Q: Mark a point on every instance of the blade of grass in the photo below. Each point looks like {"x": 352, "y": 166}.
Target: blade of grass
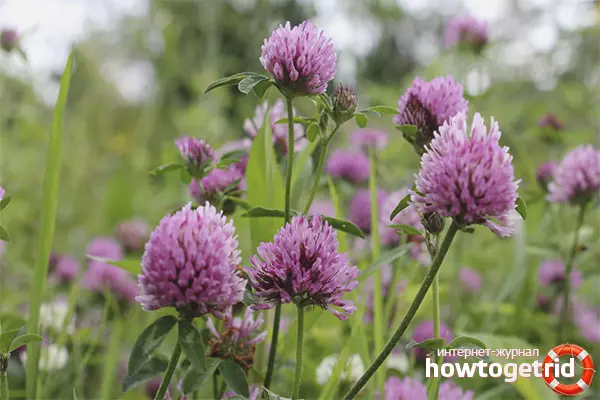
{"x": 342, "y": 237}
{"x": 112, "y": 358}
{"x": 46, "y": 232}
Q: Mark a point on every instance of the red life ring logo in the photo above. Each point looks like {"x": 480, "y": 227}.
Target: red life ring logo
{"x": 549, "y": 366}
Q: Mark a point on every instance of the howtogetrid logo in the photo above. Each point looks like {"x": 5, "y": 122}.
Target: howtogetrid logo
{"x": 552, "y": 368}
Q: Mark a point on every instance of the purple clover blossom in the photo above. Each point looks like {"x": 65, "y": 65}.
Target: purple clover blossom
{"x": 545, "y": 172}
{"x": 351, "y": 166}
{"x": 408, "y": 216}
{"x": 424, "y": 331}
{"x": 428, "y": 105}
{"x": 301, "y": 59}
{"x": 359, "y": 209}
{"x": 302, "y": 265}
{"x": 65, "y": 268}
{"x": 104, "y": 247}
{"x": 406, "y": 388}
{"x": 9, "y": 38}
{"x": 238, "y": 337}
{"x": 365, "y": 139}
{"x": 469, "y": 177}
{"x": 215, "y": 183}
{"x": 470, "y": 280}
{"x": 322, "y": 207}
{"x": 344, "y": 102}
{"x": 255, "y": 392}
{"x": 467, "y": 31}
{"x": 587, "y": 321}
{"x": 133, "y": 234}
{"x": 2, "y": 193}
{"x": 279, "y": 132}
{"x": 196, "y": 152}
{"x": 190, "y": 263}
{"x": 552, "y": 272}
{"x": 577, "y": 177}
{"x": 451, "y": 391}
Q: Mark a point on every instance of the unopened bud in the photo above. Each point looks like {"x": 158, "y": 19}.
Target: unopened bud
{"x": 9, "y": 39}
{"x": 544, "y": 174}
{"x": 433, "y": 222}
{"x": 344, "y": 102}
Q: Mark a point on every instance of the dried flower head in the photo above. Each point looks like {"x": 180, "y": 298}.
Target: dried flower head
{"x": 428, "y": 105}
{"x": 190, "y": 263}
{"x": 279, "y": 132}
{"x": 469, "y": 177}
{"x": 351, "y": 166}
{"x": 344, "y": 101}
{"x": 301, "y": 59}
{"x": 466, "y": 31}
{"x": 237, "y": 338}
{"x": 302, "y": 265}
{"x": 196, "y": 152}
{"x": 577, "y": 178}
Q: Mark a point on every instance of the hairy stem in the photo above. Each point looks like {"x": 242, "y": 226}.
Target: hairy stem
{"x": 164, "y": 385}
{"x": 299, "y": 344}
{"x": 414, "y": 307}
{"x": 566, "y": 283}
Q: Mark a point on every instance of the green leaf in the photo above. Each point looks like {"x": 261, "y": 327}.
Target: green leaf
{"x": 263, "y": 212}
{"x": 401, "y": 206}
{"x": 131, "y": 266}
{"x": 265, "y": 186}
{"x": 521, "y": 207}
{"x": 313, "y": 132}
{"x": 194, "y": 379}
{"x": 430, "y": 344}
{"x": 272, "y": 395}
{"x": 230, "y": 80}
{"x": 260, "y": 89}
{"x": 407, "y": 229}
{"x": 247, "y": 84}
{"x": 151, "y": 368}
{"x": 11, "y": 320}
{"x": 250, "y": 298}
{"x": 185, "y": 176}
{"x": 24, "y": 339}
{"x": 6, "y": 339}
{"x": 382, "y": 110}
{"x": 344, "y": 226}
{"x": 386, "y": 259}
{"x": 461, "y": 341}
{"x": 361, "y": 119}
{"x": 297, "y": 120}
{"x": 4, "y": 202}
{"x": 408, "y": 130}
{"x": 240, "y": 202}
{"x": 4, "y": 235}
{"x": 191, "y": 343}
{"x": 166, "y": 168}
{"x": 233, "y": 156}
{"x": 233, "y": 375}
{"x": 49, "y": 207}
{"x": 148, "y": 341}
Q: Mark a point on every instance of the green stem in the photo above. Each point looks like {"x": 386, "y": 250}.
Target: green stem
{"x": 164, "y": 385}
{"x": 319, "y": 172}
{"x": 4, "y": 386}
{"x": 299, "y": 344}
{"x": 435, "y": 291}
{"x": 566, "y": 287}
{"x": 215, "y": 386}
{"x": 414, "y": 307}
{"x": 378, "y": 309}
{"x": 286, "y": 213}
{"x": 112, "y": 358}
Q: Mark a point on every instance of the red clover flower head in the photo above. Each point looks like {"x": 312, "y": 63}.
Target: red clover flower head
{"x": 190, "y": 263}
{"x": 428, "y": 105}
{"x": 466, "y": 31}
{"x": 470, "y": 280}
{"x": 366, "y": 139}
{"x": 349, "y": 165}
{"x": 196, "y": 152}
{"x": 544, "y": 173}
{"x": 360, "y": 208}
{"x": 552, "y": 272}
{"x": 468, "y": 176}
{"x": 279, "y": 132}
{"x": 300, "y": 59}
{"x": 303, "y": 265}
{"x": 133, "y": 234}
{"x": 237, "y": 338}
{"x": 9, "y": 39}
{"x": 344, "y": 101}
{"x": 406, "y": 388}
{"x": 577, "y": 178}
{"x": 215, "y": 183}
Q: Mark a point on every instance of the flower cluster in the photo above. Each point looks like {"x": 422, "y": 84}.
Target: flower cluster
{"x": 215, "y": 183}
{"x": 469, "y": 177}
{"x": 279, "y": 132}
{"x": 466, "y": 31}
{"x": 301, "y": 59}
{"x": 190, "y": 263}
{"x": 577, "y": 178}
{"x": 302, "y": 265}
{"x": 237, "y": 338}
{"x": 196, "y": 152}
{"x": 428, "y": 105}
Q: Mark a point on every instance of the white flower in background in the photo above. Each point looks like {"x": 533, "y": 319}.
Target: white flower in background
{"x": 52, "y": 357}
{"x": 399, "y": 362}
{"x": 54, "y": 315}
{"x": 353, "y": 370}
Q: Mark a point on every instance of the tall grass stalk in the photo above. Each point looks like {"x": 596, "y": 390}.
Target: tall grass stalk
{"x": 49, "y": 207}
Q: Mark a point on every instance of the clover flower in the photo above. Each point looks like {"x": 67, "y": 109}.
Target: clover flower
{"x": 552, "y": 272}
{"x": 360, "y": 208}
{"x": 196, "y": 152}
{"x": 466, "y": 31}
{"x": 577, "y": 178}
{"x": 349, "y": 165}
